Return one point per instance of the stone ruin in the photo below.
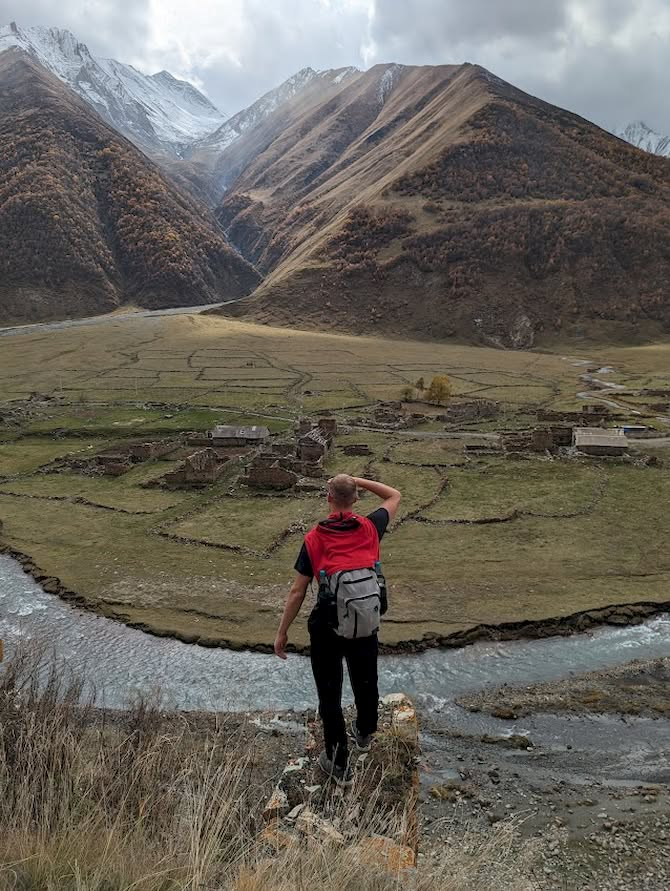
(119, 459)
(590, 415)
(358, 448)
(655, 391)
(285, 465)
(538, 440)
(202, 468)
(473, 410)
(390, 416)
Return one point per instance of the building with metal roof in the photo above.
(223, 435)
(600, 441)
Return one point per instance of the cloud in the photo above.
(239, 49)
(605, 59)
(110, 29)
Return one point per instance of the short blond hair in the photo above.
(342, 490)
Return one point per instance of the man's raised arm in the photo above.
(391, 497)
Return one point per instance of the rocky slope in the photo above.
(86, 221)
(157, 112)
(442, 201)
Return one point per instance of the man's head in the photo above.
(342, 492)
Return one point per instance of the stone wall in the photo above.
(474, 410)
(265, 474)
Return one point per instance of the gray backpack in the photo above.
(355, 600)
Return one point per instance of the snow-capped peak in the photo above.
(157, 112)
(642, 136)
(239, 123)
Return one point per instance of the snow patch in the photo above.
(642, 136)
(157, 111)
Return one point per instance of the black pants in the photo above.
(327, 652)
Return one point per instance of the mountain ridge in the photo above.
(451, 204)
(87, 221)
(221, 155)
(159, 113)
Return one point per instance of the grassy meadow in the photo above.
(479, 538)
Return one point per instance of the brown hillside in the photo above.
(86, 220)
(442, 201)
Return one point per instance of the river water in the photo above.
(123, 662)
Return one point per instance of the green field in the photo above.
(478, 538)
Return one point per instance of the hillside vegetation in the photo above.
(86, 221)
(443, 201)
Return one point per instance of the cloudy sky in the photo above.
(605, 59)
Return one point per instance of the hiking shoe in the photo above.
(340, 775)
(363, 743)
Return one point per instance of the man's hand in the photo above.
(280, 644)
(390, 496)
(291, 610)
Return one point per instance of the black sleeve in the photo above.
(381, 519)
(303, 564)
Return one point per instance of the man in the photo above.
(343, 541)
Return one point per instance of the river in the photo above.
(123, 661)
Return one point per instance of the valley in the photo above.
(487, 544)
(414, 273)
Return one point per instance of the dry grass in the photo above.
(96, 801)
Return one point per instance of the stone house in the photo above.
(328, 426)
(590, 415)
(266, 472)
(200, 469)
(119, 459)
(313, 447)
(472, 410)
(111, 465)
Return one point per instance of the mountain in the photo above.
(440, 201)
(642, 136)
(158, 113)
(87, 222)
(219, 157)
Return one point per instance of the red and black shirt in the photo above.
(343, 541)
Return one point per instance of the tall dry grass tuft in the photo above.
(147, 801)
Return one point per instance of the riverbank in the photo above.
(162, 800)
(639, 688)
(614, 614)
(597, 809)
(562, 802)
(583, 763)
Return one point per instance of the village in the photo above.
(297, 462)
(181, 479)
